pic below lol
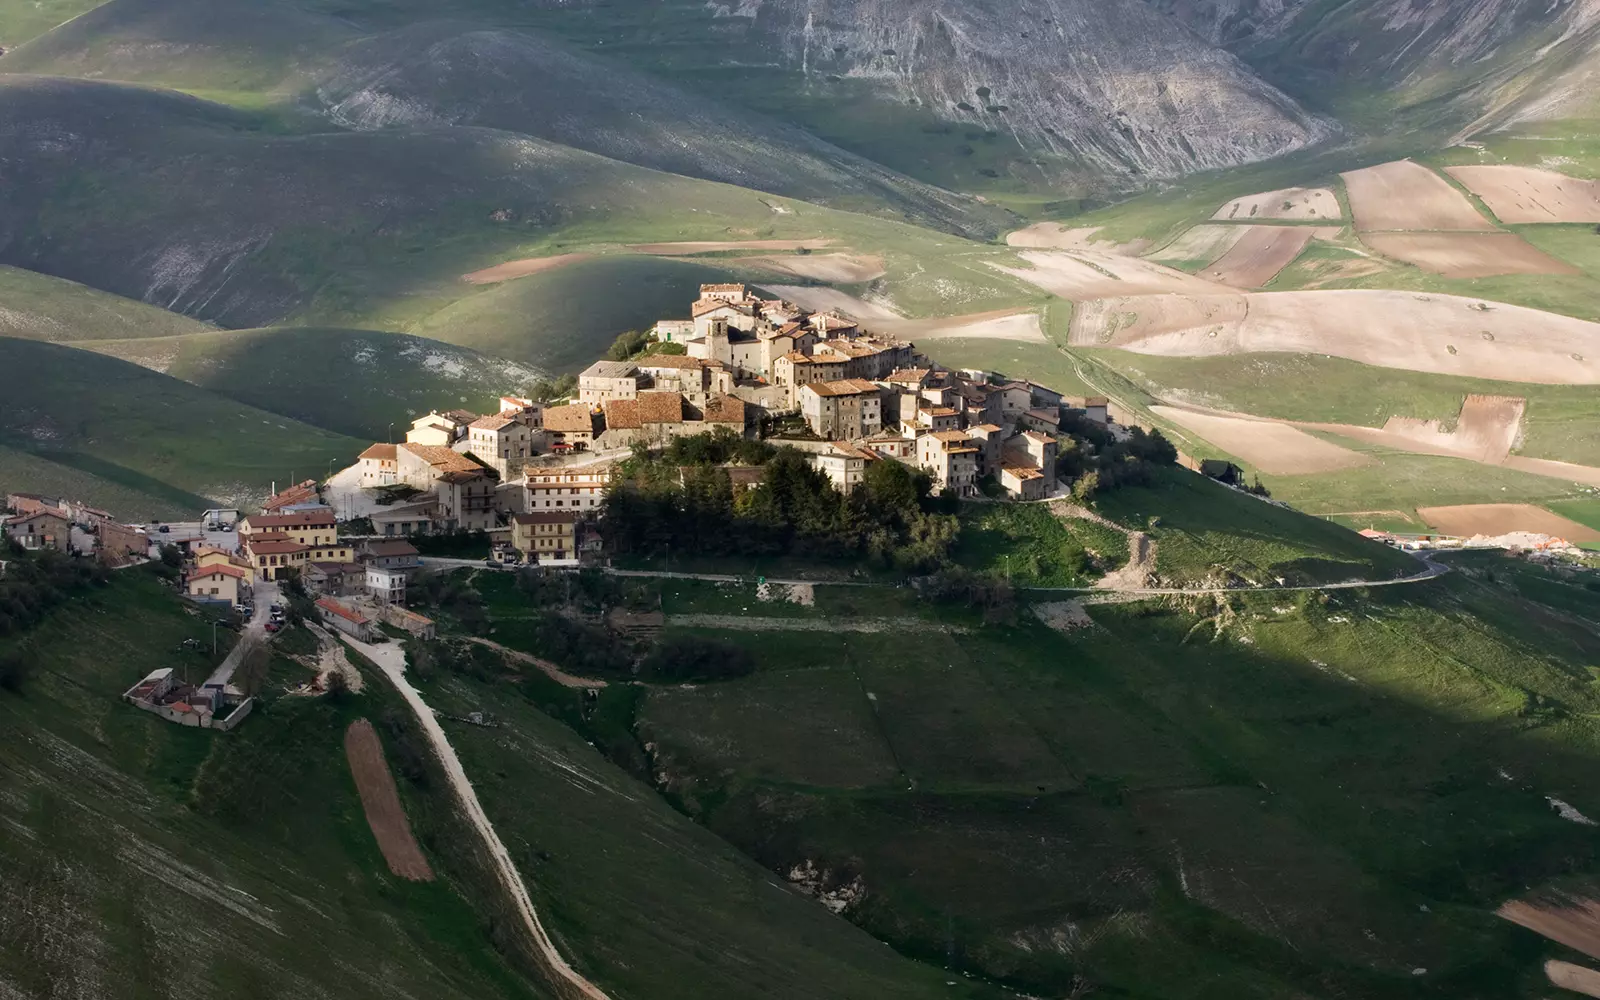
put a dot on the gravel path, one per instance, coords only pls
(571, 985)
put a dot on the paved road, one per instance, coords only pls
(1432, 569)
(254, 634)
(391, 659)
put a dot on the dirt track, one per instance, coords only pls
(1406, 195)
(521, 268)
(1444, 334)
(1274, 448)
(1502, 518)
(714, 246)
(1287, 203)
(1055, 236)
(380, 800)
(1529, 195)
(1468, 255)
(1263, 251)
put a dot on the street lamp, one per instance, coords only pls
(389, 438)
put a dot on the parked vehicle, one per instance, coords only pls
(274, 626)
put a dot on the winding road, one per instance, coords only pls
(570, 984)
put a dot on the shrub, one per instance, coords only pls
(690, 658)
(14, 671)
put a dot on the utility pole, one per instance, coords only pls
(389, 437)
(213, 638)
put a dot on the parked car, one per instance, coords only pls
(274, 626)
(164, 529)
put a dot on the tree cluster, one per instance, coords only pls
(545, 390)
(691, 658)
(629, 343)
(1096, 461)
(661, 506)
(36, 582)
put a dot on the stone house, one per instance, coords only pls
(405, 519)
(989, 438)
(327, 579)
(606, 380)
(440, 430)
(420, 466)
(570, 427)
(1096, 408)
(391, 554)
(844, 464)
(1039, 419)
(848, 409)
(466, 500)
(503, 441)
(951, 458)
(46, 528)
(1015, 400)
(120, 543)
(30, 503)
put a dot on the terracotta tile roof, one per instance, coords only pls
(660, 408)
(796, 357)
(461, 416)
(276, 547)
(990, 428)
(380, 452)
(229, 571)
(349, 614)
(621, 415)
(914, 375)
(724, 289)
(393, 547)
(1039, 414)
(856, 349)
(441, 458)
(745, 475)
(301, 519)
(1023, 471)
(949, 436)
(569, 419)
(712, 305)
(725, 410)
(844, 387)
(25, 518)
(678, 362)
(1036, 436)
(299, 493)
(336, 568)
(492, 422)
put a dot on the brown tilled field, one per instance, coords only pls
(521, 268)
(1529, 195)
(1573, 977)
(1288, 203)
(1501, 519)
(1468, 255)
(1274, 448)
(380, 800)
(1091, 274)
(1572, 922)
(1263, 251)
(1444, 334)
(1407, 195)
(713, 246)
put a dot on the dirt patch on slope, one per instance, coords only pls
(840, 267)
(1063, 616)
(1444, 334)
(1574, 922)
(549, 669)
(1286, 203)
(1094, 274)
(1001, 324)
(1529, 195)
(1485, 430)
(1263, 251)
(521, 268)
(380, 800)
(713, 246)
(1274, 448)
(1502, 519)
(1055, 236)
(1407, 195)
(1572, 977)
(1468, 255)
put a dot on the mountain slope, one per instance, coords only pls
(144, 431)
(40, 307)
(438, 73)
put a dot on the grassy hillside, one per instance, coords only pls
(458, 72)
(39, 307)
(354, 382)
(246, 855)
(1285, 795)
(135, 430)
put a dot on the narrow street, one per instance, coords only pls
(254, 634)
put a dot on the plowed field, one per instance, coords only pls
(1500, 519)
(1263, 251)
(1468, 255)
(1274, 448)
(380, 800)
(1288, 203)
(1406, 195)
(1528, 195)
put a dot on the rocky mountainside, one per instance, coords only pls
(1510, 58)
(1110, 84)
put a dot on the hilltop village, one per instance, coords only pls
(742, 365)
